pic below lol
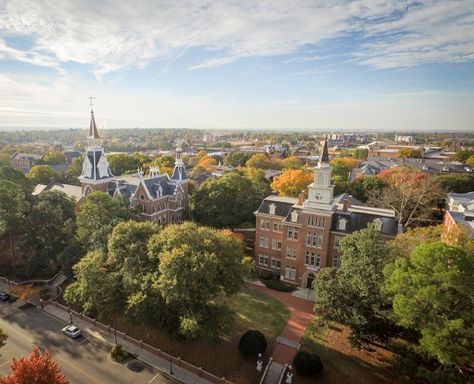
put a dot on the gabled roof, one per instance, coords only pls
(179, 173)
(283, 205)
(357, 221)
(153, 186)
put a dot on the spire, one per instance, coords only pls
(93, 133)
(325, 155)
(179, 173)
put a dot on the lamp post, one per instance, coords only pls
(70, 317)
(259, 362)
(115, 335)
(171, 363)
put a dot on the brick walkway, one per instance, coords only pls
(301, 314)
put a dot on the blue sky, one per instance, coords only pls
(350, 65)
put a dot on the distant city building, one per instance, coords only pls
(24, 161)
(296, 237)
(460, 213)
(403, 139)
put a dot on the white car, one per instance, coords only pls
(72, 331)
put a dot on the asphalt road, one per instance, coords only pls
(84, 360)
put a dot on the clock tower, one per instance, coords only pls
(321, 191)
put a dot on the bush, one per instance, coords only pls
(252, 343)
(307, 364)
(119, 354)
(278, 285)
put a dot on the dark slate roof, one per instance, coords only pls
(153, 184)
(71, 155)
(282, 205)
(98, 155)
(357, 221)
(179, 174)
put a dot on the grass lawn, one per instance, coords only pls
(342, 364)
(253, 310)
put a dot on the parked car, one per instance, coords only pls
(4, 296)
(72, 331)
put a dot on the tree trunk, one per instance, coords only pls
(12, 248)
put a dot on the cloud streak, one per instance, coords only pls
(112, 35)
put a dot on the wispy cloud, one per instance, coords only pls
(396, 33)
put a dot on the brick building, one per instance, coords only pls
(295, 238)
(157, 196)
(24, 161)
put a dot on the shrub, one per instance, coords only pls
(307, 364)
(119, 354)
(252, 343)
(278, 285)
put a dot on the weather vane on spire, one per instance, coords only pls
(91, 102)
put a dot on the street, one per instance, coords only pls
(83, 360)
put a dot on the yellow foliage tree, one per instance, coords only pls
(292, 182)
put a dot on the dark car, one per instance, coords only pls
(4, 296)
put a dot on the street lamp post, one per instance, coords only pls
(70, 317)
(171, 364)
(115, 335)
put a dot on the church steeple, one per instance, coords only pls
(324, 159)
(93, 133)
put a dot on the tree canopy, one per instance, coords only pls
(41, 174)
(36, 368)
(432, 293)
(17, 177)
(352, 293)
(226, 201)
(236, 159)
(292, 182)
(54, 157)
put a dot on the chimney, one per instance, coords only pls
(302, 197)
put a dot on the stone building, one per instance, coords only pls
(296, 237)
(157, 196)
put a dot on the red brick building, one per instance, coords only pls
(294, 239)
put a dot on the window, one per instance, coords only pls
(336, 261)
(263, 260)
(276, 263)
(337, 241)
(378, 224)
(271, 208)
(264, 242)
(264, 224)
(142, 197)
(292, 233)
(314, 240)
(316, 221)
(277, 227)
(290, 253)
(294, 217)
(276, 244)
(341, 224)
(312, 259)
(290, 273)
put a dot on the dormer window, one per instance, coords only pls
(294, 216)
(378, 224)
(272, 208)
(342, 224)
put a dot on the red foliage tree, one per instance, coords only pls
(37, 368)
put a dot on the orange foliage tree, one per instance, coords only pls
(206, 164)
(292, 182)
(36, 368)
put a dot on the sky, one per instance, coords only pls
(276, 64)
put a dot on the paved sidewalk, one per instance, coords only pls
(147, 357)
(301, 314)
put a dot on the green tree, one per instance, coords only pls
(97, 287)
(260, 161)
(227, 201)
(41, 174)
(196, 265)
(54, 157)
(456, 182)
(361, 153)
(432, 293)
(291, 162)
(97, 217)
(463, 155)
(352, 293)
(124, 163)
(237, 159)
(74, 171)
(17, 177)
(363, 187)
(164, 162)
(13, 207)
(45, 239)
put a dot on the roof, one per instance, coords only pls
(32, 156)
(93, 133)
(73, 191)
(283, 205)
(358, 220)
(153, 186)
(179, 173)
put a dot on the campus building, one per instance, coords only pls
(156, 196)
(296, 237)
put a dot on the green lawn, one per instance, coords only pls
(255, 310)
